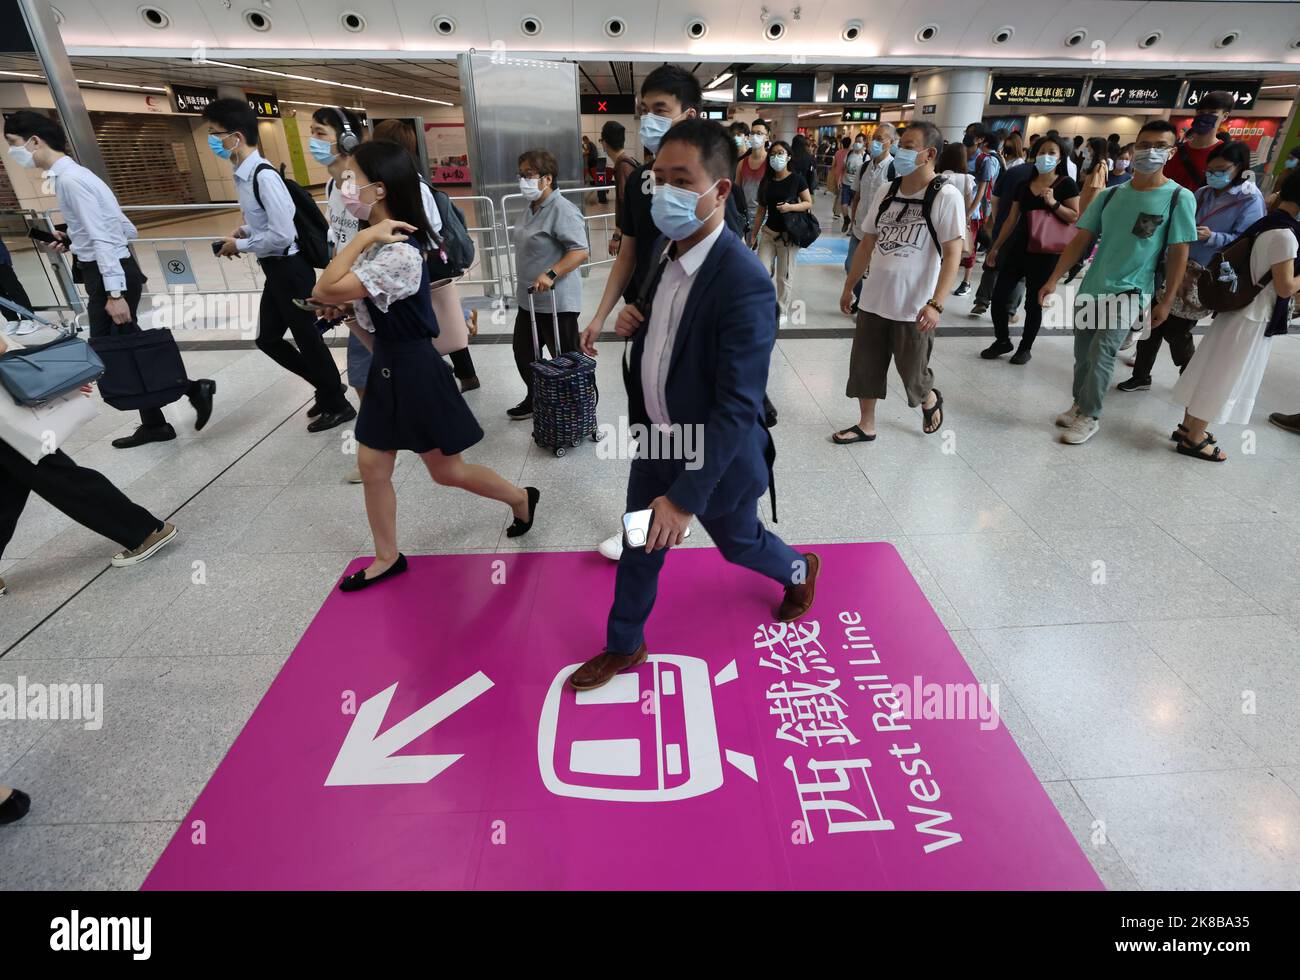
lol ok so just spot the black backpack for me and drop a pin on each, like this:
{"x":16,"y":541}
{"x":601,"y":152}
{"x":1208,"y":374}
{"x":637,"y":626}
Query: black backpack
{"x":927,"y":204}
{"x":454,"y":238}
{"x":309,"y":225}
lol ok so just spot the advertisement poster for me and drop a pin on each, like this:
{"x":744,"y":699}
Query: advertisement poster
{"x":448,"y":153}
{"x":1257,"y":133}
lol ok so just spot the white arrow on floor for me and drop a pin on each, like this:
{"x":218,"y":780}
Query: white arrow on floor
{"x":367,"y":759}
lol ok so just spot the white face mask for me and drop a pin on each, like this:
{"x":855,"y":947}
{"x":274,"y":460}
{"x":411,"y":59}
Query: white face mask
{"x":758,"y":141}
{"x":22,"y":156}
{"x":528,"y":187}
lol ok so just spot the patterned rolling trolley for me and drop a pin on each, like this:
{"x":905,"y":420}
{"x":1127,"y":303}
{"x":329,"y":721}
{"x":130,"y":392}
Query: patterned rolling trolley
{"x":564,"y":393}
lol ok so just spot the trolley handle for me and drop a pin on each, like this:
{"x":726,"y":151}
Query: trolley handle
{"x":555,"y":323}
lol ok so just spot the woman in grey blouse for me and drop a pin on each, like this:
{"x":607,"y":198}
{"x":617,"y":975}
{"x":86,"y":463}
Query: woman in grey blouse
{"x":550,"y":244}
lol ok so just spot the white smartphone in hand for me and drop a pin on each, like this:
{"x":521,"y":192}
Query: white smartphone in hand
{"x":636,"y":528}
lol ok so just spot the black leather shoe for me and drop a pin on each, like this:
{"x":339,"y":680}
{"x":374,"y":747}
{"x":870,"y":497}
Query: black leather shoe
{"x":315,"y":409}
{"x":200,"y":395}
{"x":358,"y":581}
{"x":519,"y":528}
{"x":145,"y":434}
{"x":996,"y":349}
{"x":1021,"y":357}
{"x":469,"y":384}
{"x":16,"y":807}
{"x":328,"y":420}
{"x":524,"y":410}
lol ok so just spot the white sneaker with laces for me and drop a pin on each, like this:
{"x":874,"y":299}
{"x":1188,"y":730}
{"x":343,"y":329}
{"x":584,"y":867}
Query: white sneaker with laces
{"x":612,"y":547}
{"x":1066,"y":418}
{"x":1131,"y":339}
{"x":1081,"y":430}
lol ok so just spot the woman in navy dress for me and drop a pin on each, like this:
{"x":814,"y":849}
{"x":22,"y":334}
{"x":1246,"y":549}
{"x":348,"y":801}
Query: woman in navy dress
{"x":412,"y":401}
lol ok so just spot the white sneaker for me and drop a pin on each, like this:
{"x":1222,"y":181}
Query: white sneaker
{"x":782,"y":320}
{"x":612,"y":547}
{"x":1066,"y":418}
{"x":3,"y":588}
{"x":1131,"y":339}
{"x":354,"y":475}
{"x":1081,"y":430}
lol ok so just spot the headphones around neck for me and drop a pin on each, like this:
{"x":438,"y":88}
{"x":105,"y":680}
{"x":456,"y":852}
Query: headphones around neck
{"x":348,"y":141}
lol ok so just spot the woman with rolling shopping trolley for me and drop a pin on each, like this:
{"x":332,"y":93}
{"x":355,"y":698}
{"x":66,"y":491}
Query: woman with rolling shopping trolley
{"x":550,"y":242}
{"x":412,"y":401}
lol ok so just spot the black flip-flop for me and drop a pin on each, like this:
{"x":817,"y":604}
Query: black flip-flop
{"x":1187,"y":449}
{"x":859,"y":436}
{"x":930,"y":412}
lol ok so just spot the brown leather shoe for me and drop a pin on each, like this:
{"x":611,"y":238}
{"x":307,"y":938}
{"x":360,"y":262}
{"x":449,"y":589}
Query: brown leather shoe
{"x":597,"y":671}
{"x":799,"y":598}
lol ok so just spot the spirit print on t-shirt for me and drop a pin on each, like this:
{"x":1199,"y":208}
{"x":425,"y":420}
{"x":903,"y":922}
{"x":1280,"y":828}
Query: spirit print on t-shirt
{"x":905,"y":229}
{"x":1146,"y":225}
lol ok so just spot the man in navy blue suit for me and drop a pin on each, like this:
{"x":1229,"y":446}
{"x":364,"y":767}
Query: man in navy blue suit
{"x":702,"y":330}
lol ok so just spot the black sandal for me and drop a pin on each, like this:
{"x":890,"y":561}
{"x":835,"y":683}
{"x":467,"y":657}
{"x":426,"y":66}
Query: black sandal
{"x":519,"y":528}
{"x":930,"y":413}
{"x":15,"y":807}
{"x":358,"y":581}
{"x":1181,"y":431}
{"x":859,"y":436}
{"x":1187,"y":449}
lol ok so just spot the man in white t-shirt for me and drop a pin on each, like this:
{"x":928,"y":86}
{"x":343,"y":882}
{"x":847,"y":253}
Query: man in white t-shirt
{"x":912,"y":243}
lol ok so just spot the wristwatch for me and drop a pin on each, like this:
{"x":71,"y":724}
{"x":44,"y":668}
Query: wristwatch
{"x":115,"y":295}
{"x":553,"y":274}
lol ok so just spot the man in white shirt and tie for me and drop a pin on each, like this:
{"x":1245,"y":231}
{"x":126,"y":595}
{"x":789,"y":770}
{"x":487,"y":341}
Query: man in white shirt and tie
{"x":699,"y":362}
{"x":97,"y":236}
{"x":269,"y":233}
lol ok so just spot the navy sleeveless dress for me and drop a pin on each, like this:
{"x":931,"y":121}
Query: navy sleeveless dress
{"x":412,"y":400}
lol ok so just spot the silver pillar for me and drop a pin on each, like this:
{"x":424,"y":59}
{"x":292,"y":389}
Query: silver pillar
{"x":63,"y":84}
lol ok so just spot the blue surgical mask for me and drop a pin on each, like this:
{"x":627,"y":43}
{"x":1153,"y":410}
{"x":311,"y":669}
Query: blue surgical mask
{"x":904,"y":161}
{"x":673,"y":211}
{"x":216,"y":145}
{"x":877,"y":148}
{"x":1045,"y":163}
{"x":1290,"y":164}
{"x":320,"y":151}
{"x":652,"y":130}
{"x":779,"y":160}
{"x":1149,"y":161}
{"x":1218,"y":179}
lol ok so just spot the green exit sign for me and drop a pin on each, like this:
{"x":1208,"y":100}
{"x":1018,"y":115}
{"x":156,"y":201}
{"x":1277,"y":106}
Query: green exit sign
{"x":766,"y":90}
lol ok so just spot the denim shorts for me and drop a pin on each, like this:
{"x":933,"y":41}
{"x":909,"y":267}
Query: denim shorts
{"x":358,"y":361}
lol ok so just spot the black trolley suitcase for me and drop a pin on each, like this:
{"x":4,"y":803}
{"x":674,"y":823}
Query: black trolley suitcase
{"x":564,"y":393}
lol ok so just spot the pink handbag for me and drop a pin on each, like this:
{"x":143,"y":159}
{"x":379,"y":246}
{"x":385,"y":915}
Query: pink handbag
{"x":1048,"y":234}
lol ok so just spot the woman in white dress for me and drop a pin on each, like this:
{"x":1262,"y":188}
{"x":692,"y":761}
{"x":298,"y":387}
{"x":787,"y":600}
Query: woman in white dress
{"x":1223,"y":377}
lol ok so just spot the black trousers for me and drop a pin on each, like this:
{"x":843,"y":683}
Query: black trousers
{"x":11,"y":288}
{"x":102,"y":325}
{"x":462,"y":364}
{"x":1177,"y":332}
{"x":523,"y":341}
{"x":288,"y":278}
{"x":1035,"y":270}
{"x":85,"y":495}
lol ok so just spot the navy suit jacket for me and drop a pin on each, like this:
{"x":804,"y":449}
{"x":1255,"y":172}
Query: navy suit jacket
{"x":717,"y":376}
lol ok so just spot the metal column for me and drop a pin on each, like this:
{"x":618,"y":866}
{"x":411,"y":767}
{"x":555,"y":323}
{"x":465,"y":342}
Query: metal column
{"x":63,"y":84}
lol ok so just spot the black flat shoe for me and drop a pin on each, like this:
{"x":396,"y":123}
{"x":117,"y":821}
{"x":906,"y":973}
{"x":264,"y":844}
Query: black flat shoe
{"x":1021,"y":357}
{"x":358,"y":581}
{"x":328,"y":420}
{"x":315,"y":409}
{"x":469,"y":384}
{"x":519,"y":528}
{"x":200,"y":394}
{"x":996,"y":349}
{"x":524,"y":410}
{"x":146,"y":434}
{"x":16,"y":807}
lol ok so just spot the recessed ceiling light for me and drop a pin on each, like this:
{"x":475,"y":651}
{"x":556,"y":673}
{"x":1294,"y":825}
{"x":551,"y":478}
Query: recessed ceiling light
{"x":1003,"y":34}
{"x":444,"y":25}
{"x":155,"y":17}
{"x":696,"y":29}
{"x":852,"y":31}
{"x":1151,"y":40}
{"x":1227,"y":39}
{"x":530,"y":26}
{"x":352,"y":21}
{"x":927,"y":33}
{"x":1075,"y":38}
{"x":257,"y":20}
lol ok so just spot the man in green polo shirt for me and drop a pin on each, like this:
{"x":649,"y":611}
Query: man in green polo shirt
{"x":1137,"y":223}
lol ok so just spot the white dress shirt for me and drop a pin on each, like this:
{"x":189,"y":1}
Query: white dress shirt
{"x":665,"y":317}
{"x":97,"y":228}
{"x":268,"y":228}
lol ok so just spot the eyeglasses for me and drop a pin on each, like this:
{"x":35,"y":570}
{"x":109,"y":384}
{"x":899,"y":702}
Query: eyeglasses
{"x":1148,"y":145}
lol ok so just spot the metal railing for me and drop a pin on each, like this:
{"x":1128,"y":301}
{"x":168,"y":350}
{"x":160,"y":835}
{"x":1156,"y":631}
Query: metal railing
{"x":510,"y":276}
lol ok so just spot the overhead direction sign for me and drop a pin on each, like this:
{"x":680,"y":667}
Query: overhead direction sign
{"x":1035,"y":90}
{"x":1134,"y":93}
{"x":857,"y":89}
{"x":1244,"y":90}
{"x":775,"y":88}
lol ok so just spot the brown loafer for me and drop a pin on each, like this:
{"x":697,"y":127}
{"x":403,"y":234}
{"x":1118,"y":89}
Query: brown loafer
{"x":597,"y":671}
{"x":799,"y":598}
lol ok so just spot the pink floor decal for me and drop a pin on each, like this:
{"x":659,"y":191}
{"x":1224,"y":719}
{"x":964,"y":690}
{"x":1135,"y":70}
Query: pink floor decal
{"x":421,"y":736}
